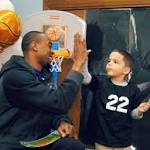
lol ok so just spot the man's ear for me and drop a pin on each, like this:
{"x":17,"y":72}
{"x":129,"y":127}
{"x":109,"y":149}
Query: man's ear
{"x":34,"y":46}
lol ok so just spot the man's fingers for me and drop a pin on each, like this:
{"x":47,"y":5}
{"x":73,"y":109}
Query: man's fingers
{"x":84,"y":44}
{"x":77,"y":42}
{"x":65,"y":131}
{"x":62,"y":132}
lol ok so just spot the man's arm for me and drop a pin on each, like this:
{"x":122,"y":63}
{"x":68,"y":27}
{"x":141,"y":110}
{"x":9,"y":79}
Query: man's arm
{"x":23,"y":90}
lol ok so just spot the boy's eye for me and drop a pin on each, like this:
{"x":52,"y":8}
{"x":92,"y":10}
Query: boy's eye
{"x":115,"y":62}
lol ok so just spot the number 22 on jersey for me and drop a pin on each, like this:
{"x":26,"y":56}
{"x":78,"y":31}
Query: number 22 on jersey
{"x":119,"y":102}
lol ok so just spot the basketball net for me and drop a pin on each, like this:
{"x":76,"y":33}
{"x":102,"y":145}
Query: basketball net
{"x":56,"y":64}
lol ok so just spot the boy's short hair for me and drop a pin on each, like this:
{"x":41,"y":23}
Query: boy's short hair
{"x":128,"y":58}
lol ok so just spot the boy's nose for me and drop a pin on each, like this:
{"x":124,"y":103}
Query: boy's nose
{"x":109,"y":63}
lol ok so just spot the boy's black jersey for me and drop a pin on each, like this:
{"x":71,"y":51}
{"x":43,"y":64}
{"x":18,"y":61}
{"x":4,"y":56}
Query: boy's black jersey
{"x":113,"y":110}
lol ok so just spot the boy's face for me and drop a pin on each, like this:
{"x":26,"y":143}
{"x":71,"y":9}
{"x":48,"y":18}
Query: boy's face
{"x":116,"y":67}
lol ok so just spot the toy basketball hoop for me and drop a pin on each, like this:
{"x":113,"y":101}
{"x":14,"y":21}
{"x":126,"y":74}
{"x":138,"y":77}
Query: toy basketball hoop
{"x":56,"y":64}
{"x":60,"y":27}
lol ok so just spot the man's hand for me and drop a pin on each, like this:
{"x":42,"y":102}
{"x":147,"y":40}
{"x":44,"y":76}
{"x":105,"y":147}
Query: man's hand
{"x":143,"y":107}
{"x":67,"y":130}
{"x":80,"y":53}
{"x":1,"y":49}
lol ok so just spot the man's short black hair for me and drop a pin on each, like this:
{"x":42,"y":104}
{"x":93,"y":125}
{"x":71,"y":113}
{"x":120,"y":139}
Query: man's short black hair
{"x":29,"y":38}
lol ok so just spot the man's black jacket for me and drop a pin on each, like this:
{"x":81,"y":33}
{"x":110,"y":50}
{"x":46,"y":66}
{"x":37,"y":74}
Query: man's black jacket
{"x":30,"y":106}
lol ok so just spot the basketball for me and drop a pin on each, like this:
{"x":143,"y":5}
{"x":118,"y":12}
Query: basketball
{"x":10,"y":28}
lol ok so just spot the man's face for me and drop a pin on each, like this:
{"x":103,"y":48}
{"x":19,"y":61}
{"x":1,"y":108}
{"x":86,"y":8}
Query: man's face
{"x":44,"y":52}
{"x":116,"y":65}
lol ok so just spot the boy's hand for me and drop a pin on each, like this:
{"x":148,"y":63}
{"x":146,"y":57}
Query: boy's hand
{"x":143,"y":107}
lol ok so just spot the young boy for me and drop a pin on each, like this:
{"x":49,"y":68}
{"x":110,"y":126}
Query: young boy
{"x":117,"y":103}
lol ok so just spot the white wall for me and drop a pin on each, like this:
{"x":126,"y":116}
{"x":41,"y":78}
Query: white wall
{"x":25,"y":8}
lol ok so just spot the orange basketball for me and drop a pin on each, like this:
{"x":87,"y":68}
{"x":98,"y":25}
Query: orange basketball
{"x":10,"y":27}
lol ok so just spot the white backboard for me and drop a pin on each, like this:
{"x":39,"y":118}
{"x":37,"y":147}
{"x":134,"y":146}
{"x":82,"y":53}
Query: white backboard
{"x":68,"y":24}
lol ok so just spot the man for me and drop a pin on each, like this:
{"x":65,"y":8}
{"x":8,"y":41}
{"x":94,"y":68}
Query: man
{"x":30,"y":105}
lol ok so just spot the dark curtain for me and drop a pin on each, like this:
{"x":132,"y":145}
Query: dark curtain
{"x":126,"y":29}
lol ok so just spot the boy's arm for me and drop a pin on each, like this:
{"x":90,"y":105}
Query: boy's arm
{"x":138,"y":112}
{"x":85,"y":72}
{"x":87,"y":76}
{"x":135,"y":114}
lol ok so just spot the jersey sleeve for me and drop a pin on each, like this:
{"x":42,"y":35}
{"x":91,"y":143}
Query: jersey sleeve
{"x":136,"y":98}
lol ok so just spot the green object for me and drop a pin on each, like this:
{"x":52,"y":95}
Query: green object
{"x":50,"y":138}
